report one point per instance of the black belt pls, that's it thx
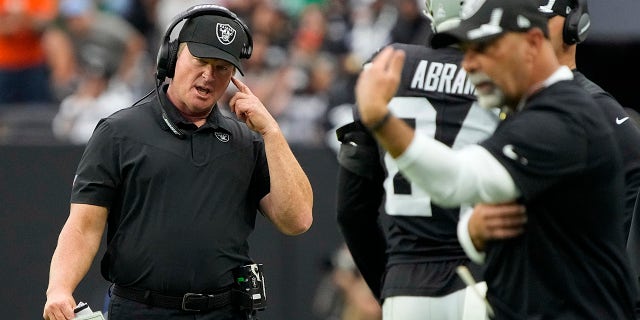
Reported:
(187, 302)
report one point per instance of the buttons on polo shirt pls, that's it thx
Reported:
(201, 147)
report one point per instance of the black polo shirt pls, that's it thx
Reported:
(627, 137)
(570, 261)
(180, 210)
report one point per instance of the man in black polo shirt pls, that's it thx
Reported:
(555, 154)
(569, 24)
(179, 184)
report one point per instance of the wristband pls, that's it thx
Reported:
(378, 125)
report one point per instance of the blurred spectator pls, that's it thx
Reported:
(243, 8)
(90, 29)
(372, 23)
(24, 73)
(309, 37)
(412, 25)
(337, 14)
(307, 53)
(97, 96)
(337, 43)
(273, 21)
(141, 14)
(368, 28)
(309, 74)
(304, 118)
(166, 10)
(295, 7)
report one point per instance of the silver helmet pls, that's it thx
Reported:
(444, 14)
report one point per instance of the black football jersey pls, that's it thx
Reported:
(437, 100)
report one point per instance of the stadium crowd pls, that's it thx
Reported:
(94, 56)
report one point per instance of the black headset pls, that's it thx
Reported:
(167, 54)
(577, 23)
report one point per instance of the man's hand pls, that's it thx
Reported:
(249, 108)
(59, 306)
(378, 83)
(496, 221)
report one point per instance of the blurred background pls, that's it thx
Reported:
(64, 64)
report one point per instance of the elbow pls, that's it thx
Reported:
(300, 225)
(445, 198)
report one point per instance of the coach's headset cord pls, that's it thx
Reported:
(174, 129)
(172, 126)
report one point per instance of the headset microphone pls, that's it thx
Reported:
(172, 126)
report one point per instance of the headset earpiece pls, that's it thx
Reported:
(166, 59)
(577, 23)
(167, 55)
(173, 57)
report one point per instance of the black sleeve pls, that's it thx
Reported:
(98, 177)
(359, 195)
(359, 151)
(627, 136)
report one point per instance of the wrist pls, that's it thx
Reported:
(475, 236)
(464, 237)
(478, 243)
(376, 126)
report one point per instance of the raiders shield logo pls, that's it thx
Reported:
(225, 33)
(222, 136)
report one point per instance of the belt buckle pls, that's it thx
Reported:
(187, 297)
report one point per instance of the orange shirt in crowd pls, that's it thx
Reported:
(21, 25)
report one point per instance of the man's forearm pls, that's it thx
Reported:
(456, 177)
(71, 260)
(291, 195)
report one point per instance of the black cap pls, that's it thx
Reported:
(556, 7)
(483, 20)
(212, 36)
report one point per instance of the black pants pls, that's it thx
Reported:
(125, 309)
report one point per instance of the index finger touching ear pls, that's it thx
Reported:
(240, 85)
